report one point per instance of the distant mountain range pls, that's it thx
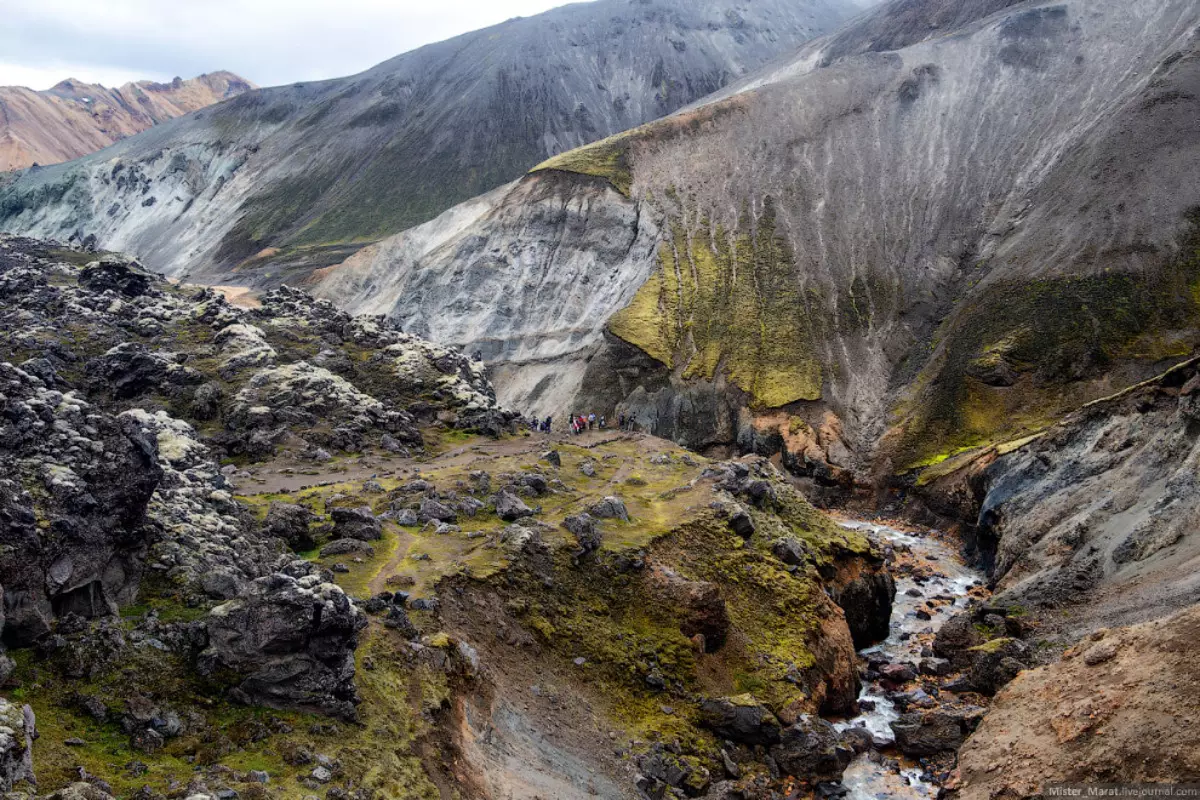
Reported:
(288, 179)
(74, 119)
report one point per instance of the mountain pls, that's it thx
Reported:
(294, 177)
(74, 119)
(942, 227)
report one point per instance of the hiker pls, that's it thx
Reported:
(591, 421)
(603, 423)
(621, 422)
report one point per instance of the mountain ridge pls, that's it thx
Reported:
(74, 118)
(274, 184)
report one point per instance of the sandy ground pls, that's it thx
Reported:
(1121, 707)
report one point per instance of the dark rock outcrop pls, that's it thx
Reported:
(927, 733)
(865, 592)
(741, 719)
(811, 750)
(610, 508)
(292, 524)
(290, 642)
(356, 523)
(77, 544)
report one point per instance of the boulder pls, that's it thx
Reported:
(610, 508)
(290, 642)
(812, 750)
(927, 733)
(18, 729)
(119, 277)
(83, 550)
(292, 523)
(356, 523)
(996, 663)
(586, 532)
(345, 547)
(741, 523)
(406, 518)
(898, 673)
(434, 511)
(511, 508)
(792, 551)
(740, 719)
(938, 667)
(536, 483)
(955, 639)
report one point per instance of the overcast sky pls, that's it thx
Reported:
(270, 42)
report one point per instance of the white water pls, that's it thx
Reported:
(865, 779)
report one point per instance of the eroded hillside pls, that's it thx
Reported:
(908, 242)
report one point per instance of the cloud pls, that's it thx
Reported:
(267, 41)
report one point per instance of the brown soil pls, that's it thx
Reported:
(1121, 707)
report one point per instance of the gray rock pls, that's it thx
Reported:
(432, 510)
(927, 733)
(811, 750)
(939, 667)
(292, 523)
(586, 532)
(407, 518)
(344, 547)
(997, 663)
(791, 550)
(291, 642)
(356, 523)
(511, 508)
(610, 508)
(741, 719)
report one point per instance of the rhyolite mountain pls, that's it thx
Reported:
(941, 227)
(73, 118)
(297, 176)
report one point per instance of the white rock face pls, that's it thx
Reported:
(544, 299)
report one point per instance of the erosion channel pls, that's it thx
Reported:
(908, 692)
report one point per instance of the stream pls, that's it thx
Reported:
(870, 777)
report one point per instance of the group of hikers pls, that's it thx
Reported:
(581, 423)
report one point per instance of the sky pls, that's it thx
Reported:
(269, 42)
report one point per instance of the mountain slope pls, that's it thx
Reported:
(314, 170)
(74, 119)
(904, 252)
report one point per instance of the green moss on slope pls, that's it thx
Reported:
(608, 159)
(1058, 339)
(731, 301)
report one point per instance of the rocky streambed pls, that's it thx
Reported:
(909, 708)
